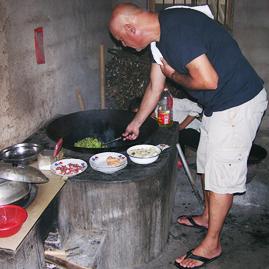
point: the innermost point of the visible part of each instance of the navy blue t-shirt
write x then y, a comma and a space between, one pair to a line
187, 34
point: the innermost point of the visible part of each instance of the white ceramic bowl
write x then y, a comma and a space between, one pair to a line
98, 162
143, 154
109, 170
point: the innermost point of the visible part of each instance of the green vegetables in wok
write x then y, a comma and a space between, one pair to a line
89, 142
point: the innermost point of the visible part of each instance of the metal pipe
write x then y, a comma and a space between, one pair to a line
189, 175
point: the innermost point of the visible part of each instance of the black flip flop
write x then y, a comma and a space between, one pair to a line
192, 222
190, 255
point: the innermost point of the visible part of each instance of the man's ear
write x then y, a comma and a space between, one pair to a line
129, 28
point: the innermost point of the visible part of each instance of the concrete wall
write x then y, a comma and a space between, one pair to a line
251, 30
32, 93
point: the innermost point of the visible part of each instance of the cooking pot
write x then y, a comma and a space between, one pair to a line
105, 125
12, 191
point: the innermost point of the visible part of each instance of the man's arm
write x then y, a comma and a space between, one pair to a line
149, 102
202, 75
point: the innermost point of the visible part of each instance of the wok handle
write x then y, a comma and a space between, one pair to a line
58, 147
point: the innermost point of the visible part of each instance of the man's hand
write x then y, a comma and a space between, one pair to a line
201, 74
166, 68
132, 131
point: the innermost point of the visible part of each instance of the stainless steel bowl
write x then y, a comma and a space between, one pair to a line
23, 153
12, 191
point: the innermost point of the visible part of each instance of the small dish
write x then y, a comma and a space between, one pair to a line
143, 154
68, 167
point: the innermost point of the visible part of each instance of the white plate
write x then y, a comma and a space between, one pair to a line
68, 167
100, 160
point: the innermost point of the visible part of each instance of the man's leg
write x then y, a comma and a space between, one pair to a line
202, 219
210, 247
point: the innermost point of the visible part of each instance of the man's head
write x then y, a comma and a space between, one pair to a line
132, 26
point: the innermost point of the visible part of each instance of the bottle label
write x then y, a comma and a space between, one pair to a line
164, 117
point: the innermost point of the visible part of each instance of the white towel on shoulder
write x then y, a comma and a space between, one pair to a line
204, 9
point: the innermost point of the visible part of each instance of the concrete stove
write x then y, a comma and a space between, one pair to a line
133, 206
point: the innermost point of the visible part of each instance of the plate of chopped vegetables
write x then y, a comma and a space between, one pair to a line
68, 167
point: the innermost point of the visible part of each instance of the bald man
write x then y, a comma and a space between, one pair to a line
201, 56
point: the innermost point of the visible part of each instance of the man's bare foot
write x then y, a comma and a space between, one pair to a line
199, 222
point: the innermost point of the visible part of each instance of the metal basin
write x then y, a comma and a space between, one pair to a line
22, 153
12, 191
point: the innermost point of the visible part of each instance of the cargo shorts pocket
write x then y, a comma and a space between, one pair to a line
227, 170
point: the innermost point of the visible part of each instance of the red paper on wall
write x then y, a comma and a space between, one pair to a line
39, 46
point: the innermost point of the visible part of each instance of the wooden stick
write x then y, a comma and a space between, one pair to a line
102, 76
59, 253
63, 262
80, 100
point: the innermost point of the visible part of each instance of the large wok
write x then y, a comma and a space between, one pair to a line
102, 124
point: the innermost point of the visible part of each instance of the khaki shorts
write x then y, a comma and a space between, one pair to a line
225, 143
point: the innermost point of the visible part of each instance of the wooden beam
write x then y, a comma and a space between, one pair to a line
151, 5
102, 76
59, 257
